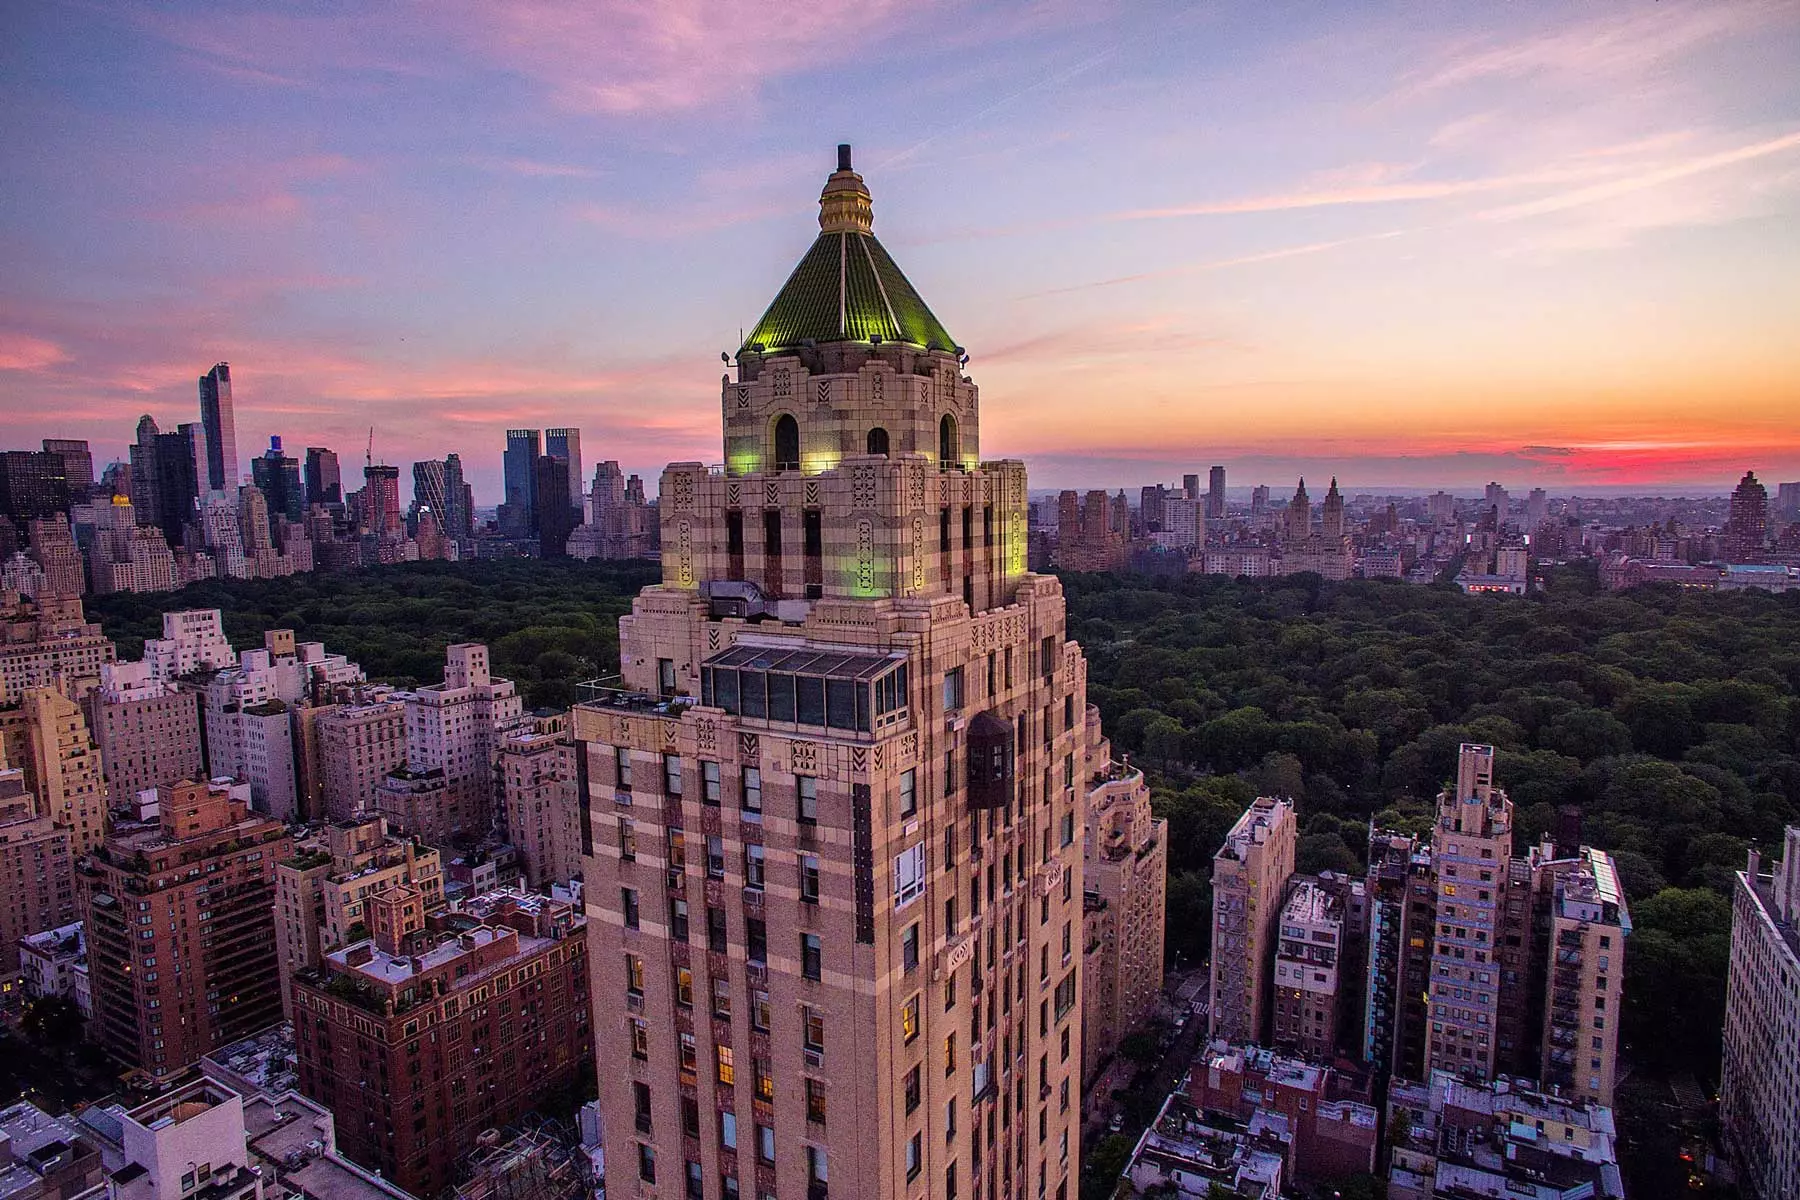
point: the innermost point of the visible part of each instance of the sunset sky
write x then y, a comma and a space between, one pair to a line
1544, 243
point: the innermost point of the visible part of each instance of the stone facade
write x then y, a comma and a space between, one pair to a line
1125, 854
1250, 875
832, 869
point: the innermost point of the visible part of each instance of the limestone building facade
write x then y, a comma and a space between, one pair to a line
833, 865
1250, 876
1125, 853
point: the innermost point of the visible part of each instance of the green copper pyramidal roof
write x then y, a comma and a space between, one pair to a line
847, 288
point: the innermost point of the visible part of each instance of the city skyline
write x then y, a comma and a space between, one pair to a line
1545, 251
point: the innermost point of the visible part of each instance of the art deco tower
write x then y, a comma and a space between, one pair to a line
832, 866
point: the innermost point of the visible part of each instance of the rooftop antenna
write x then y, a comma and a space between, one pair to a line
369, 454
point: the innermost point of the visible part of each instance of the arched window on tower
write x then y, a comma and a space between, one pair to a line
787, 443
878, 440
949, 452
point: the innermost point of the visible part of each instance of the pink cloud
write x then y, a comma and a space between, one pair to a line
24, 352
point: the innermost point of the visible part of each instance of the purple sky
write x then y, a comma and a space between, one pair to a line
1414, 245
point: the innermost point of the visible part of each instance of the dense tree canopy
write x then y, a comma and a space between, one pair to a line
1666, 724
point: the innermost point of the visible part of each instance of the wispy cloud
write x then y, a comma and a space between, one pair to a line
531, 168
25, 352
1667, 173
1218, 264
1623, 44
1328, 195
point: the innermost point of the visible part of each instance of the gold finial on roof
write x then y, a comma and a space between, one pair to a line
844, 205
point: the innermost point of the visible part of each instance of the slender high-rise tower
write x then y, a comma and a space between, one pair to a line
566, 444
1215, 495
1471, 847
518, 512
221, 474
832, 867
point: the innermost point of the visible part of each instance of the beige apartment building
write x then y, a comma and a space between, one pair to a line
1125, 856
833, 875
148, 729
1585, 976
37, 872
49, 642
1250, 876
1471, 848
446, 787
1308, 964
538, 811
358, 745
1759, 1088
322, 891
46, 736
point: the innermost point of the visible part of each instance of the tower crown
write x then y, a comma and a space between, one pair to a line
846, 288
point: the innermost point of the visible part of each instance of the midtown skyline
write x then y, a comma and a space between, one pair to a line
1550, 251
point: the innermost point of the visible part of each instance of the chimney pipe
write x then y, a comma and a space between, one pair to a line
843, 156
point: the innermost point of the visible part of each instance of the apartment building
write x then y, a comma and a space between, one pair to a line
37, 872
1471, 847
148, 729
832, 864
49, 643
1319, 1118
193, 640
359, 744
1584, 989
1125, 858
46, 736
538, 810
322, 891
453, 732
1309, 952
1250, 876
1759, 1088
1453, 1138
430, 1031
179, 917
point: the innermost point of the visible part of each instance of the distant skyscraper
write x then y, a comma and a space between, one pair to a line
278, 477
1787, 500
176, 482
566, 444
323, 483
1537, 507
557, 515
32, 484
459, 516
1331, 513
221, 430
429, 488
1496, 498
1215, 495
1747, 529
143, 472
518, 517
77, 462
381, 502
1259, 501
1299, 515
